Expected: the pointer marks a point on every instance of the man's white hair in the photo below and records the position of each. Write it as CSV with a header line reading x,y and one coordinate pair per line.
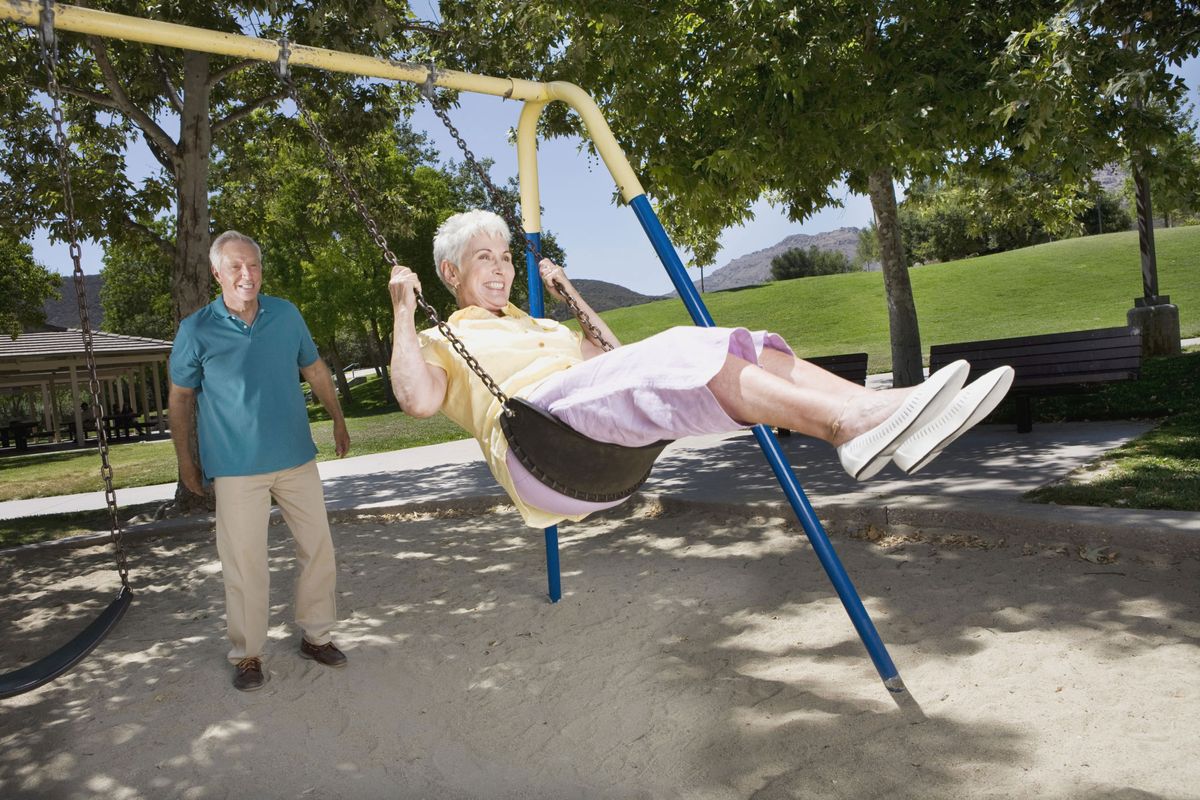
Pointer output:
x,y
453,236
218,245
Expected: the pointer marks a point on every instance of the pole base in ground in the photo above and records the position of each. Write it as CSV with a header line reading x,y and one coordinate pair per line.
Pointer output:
x,y
895,685
1158,320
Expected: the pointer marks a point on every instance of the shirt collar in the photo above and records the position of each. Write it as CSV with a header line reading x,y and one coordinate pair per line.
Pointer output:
x,y
220,310
475,312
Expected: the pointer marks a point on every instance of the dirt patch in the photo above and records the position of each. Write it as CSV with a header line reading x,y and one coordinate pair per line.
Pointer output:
x,y
695,654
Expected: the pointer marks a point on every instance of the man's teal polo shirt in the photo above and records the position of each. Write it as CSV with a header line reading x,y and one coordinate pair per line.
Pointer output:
x,y
251,415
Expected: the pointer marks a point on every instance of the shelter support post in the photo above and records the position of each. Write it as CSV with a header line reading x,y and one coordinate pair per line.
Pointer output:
x,y
75,405
158,409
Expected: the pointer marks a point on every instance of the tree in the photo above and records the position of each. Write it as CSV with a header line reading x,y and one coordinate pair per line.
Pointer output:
x,y
136,292
801,263
116,91
25,286
1093,84
721,106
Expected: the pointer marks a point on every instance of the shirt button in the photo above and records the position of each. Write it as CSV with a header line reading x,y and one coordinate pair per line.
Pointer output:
x,y
541,344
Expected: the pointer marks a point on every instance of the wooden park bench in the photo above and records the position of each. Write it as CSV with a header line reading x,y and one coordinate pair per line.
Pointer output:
x,y
1055,363
851,366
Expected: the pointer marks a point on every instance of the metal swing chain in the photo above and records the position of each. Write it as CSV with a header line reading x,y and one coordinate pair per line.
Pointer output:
x,y
339,169
49,53
584,319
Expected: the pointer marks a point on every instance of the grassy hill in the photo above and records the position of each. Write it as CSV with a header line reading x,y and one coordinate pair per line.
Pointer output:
x,y
1069,285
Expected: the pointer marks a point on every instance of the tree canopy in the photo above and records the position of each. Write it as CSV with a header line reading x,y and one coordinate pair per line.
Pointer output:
x,y
186,107
801,263
25,286
721,106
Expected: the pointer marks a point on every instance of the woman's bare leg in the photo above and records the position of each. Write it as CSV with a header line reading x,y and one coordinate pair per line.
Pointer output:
x,y
791,393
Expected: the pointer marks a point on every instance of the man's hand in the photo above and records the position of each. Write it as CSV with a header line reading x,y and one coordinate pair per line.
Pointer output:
x,y
190,475
341,438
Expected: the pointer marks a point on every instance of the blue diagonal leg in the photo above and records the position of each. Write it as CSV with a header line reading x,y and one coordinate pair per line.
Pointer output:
x,y
783,471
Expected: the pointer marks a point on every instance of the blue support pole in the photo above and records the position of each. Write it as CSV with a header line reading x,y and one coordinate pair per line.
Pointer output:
x,y
783,471
537,309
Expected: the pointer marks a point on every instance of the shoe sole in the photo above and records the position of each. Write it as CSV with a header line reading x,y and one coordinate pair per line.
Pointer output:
x,y
1002,382
253,688
953,375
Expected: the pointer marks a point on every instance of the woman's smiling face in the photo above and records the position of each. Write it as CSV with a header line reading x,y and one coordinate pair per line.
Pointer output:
x,y
485,275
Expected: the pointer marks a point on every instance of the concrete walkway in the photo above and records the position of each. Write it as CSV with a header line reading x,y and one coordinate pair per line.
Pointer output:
x,y
977,484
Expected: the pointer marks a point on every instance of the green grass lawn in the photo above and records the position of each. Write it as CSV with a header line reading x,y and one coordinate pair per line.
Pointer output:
x,y
1062,286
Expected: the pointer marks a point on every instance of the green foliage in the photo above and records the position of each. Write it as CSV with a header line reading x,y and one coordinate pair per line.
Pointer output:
x,y
801,263
867,251
963,215
1094,84
115,92
136,293
25,286
716,108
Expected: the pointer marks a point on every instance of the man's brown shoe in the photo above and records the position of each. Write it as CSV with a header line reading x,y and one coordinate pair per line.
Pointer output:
x,y
249,675
326,654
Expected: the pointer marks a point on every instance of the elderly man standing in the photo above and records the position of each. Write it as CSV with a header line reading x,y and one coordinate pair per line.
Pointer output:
x,y
234,370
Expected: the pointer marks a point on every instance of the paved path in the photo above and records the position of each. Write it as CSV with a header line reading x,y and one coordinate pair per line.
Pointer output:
x,y
977,483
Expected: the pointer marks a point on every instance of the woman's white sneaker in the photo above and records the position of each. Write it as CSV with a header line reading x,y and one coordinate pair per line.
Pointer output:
x,y
965,411
867,453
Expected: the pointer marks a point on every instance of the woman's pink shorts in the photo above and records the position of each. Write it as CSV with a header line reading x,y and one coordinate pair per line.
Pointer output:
x,y
641,393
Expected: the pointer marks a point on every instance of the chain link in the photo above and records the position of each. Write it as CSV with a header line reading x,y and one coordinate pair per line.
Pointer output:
x,y
49,54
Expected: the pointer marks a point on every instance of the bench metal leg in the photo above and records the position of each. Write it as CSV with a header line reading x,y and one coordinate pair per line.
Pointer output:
x,y
1024,413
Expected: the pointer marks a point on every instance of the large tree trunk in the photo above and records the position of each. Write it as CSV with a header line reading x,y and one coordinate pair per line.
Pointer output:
x,y
190,278
902,310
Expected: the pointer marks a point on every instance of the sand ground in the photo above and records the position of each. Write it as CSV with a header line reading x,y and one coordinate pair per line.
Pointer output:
x,y
698,652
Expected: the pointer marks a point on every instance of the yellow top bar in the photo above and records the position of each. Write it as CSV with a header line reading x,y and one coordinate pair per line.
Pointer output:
x,y
168,34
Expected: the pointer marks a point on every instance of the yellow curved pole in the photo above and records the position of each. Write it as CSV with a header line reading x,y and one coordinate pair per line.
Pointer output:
x,y
527,167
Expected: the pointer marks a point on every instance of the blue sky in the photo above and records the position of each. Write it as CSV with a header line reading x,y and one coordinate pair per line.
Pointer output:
x,y
602,241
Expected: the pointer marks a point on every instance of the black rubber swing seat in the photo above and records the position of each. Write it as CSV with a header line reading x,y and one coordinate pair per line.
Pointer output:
x,y
569,462
44,670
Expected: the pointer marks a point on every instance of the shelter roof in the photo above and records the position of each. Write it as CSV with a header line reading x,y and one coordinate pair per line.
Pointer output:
x,y
64,344
36,357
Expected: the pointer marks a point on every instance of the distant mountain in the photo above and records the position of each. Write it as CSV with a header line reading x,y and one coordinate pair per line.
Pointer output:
x,y
600,295
64,312
754,268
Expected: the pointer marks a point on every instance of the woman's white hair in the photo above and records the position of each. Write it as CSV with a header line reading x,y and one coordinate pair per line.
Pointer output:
x,y
453,236
215,254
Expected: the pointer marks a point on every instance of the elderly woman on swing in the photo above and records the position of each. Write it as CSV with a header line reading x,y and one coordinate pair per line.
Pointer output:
x,y
682,382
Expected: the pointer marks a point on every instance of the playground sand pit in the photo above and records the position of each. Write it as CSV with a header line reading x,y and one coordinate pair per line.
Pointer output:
x,y
697,653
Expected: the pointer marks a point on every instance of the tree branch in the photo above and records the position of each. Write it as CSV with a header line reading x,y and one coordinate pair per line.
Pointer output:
x,y
221,75
246,110
168,87
163,244
126,106
102,100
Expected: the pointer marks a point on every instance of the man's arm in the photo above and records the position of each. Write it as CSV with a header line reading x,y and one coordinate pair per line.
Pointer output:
x,y
319,378
181,411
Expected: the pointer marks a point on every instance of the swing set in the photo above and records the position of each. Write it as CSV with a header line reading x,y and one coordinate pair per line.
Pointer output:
x,y
551,451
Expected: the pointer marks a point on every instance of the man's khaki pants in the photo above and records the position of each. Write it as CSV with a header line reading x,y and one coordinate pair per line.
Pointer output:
x,y
243,512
